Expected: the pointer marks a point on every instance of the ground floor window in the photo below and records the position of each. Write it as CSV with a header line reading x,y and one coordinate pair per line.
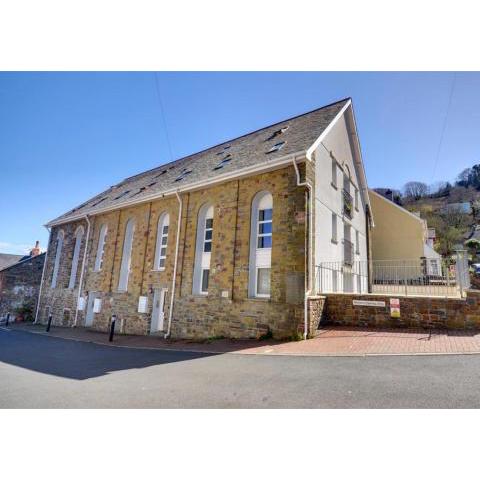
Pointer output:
x,y
263,282
205,278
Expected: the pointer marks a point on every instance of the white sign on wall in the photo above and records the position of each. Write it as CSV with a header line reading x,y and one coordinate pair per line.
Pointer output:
x,y
142,304
81,304
97,305
368,303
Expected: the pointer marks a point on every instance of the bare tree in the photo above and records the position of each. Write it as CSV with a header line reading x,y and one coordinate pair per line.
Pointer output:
x,y
415,190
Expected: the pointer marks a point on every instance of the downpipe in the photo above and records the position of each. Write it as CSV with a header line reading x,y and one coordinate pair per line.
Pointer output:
x,y
308,275
172,296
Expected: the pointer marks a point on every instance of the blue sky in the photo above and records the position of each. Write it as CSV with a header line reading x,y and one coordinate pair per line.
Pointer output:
x,y
66,136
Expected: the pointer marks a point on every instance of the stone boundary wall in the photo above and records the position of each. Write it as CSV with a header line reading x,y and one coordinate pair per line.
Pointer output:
x,y
419,312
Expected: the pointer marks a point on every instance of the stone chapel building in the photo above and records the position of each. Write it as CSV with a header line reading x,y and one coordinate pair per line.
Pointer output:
x,y
223,242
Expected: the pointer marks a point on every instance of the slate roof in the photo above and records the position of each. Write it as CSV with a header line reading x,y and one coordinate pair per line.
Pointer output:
x,y
7,259
249,150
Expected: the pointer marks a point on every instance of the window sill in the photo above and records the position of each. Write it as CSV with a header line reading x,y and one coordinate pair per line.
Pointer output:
x,y
158,269
333,185
334,241
259,299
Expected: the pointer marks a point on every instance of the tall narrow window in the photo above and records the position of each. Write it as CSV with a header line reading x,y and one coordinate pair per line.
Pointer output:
x,y
162,241
126,256
101,247
334,173
334,228
58,254
201,274
357,242
356,199
76,256
261,246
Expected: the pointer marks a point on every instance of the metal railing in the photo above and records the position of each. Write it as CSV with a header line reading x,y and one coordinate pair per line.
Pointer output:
x,y
436,277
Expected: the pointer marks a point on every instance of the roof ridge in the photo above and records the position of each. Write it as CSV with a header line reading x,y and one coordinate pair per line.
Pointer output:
x,y
163,165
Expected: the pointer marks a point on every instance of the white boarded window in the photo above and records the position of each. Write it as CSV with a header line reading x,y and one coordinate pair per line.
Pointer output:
x,y
76,256
162,242
334,173
58,254
126,256
203,249
260,246
101,247
334,228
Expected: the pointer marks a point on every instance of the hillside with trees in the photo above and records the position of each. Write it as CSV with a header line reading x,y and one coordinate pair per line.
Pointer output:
x,y
452,208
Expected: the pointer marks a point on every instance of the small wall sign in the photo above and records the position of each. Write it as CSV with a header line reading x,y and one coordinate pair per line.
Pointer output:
x,y
97,305
368,303
395,308
81,304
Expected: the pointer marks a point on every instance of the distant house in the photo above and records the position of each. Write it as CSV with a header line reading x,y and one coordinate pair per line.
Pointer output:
x,y
19,284
400,235
6,259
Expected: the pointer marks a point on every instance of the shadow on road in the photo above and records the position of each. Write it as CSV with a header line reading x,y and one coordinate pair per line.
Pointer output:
x,y
79,360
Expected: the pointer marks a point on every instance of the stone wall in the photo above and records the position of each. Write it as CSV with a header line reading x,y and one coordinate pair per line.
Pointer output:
x,y
422,312
227,310
19,287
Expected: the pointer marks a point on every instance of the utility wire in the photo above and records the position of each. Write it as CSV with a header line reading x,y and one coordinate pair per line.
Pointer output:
x,y
444,125
157,84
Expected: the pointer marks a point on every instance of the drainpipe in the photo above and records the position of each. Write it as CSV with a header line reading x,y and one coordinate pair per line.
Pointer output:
x,y
308,276
43,275
83,269
172,296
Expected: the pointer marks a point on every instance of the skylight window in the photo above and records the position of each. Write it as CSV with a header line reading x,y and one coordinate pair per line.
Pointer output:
x,y
163,172
126,192
184,173
98,202
140,190
222,152
223,162
277,133
278,146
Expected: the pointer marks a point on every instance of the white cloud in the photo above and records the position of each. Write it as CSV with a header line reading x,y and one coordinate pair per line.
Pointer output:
x,y
15,248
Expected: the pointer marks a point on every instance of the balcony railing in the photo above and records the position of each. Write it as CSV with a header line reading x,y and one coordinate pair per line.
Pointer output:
x,y
348,255
347,204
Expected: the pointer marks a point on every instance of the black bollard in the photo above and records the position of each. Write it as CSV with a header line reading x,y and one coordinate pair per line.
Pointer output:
x,y
49,322
7,320
112,328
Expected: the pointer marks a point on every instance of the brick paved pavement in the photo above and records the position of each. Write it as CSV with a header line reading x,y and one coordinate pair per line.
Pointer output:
x,y
329,341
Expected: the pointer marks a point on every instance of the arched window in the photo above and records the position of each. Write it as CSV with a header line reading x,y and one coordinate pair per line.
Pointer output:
x,y
201,273
76,255
162,241
126,256
101,247
58,254
260,245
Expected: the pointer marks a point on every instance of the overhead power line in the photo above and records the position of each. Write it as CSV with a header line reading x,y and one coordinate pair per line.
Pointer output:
x,y
444,124
159,95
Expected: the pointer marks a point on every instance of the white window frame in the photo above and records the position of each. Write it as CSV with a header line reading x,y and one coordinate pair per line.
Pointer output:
x,y
334,228
334,174
202,257
162,242
76,256
126,256
260,258
101,247
58,254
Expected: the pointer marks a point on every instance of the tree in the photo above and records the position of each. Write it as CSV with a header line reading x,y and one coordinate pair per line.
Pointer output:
x,y
415,190
439,189
463,178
